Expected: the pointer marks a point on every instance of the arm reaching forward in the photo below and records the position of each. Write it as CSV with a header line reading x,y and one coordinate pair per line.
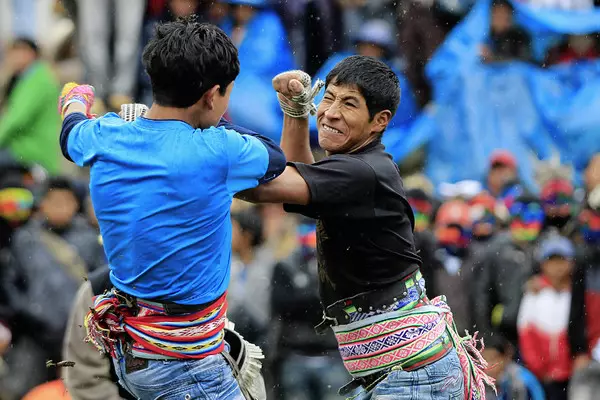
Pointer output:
x,y
295,97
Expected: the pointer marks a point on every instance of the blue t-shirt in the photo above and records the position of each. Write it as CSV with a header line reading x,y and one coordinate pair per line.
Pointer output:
x,y
162,192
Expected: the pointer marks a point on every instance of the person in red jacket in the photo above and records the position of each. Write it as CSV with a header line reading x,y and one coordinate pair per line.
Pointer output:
x,y
544,318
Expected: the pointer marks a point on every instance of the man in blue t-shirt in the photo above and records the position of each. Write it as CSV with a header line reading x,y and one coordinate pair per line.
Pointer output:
x,y
162,188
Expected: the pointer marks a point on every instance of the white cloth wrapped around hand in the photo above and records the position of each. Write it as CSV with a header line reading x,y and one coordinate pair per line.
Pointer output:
x,y
296,93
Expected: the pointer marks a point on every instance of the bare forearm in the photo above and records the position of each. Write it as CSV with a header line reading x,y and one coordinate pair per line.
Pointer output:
x,y
295,140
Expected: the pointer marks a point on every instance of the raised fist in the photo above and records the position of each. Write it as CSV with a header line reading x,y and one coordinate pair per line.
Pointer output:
x,y
73,92
295,93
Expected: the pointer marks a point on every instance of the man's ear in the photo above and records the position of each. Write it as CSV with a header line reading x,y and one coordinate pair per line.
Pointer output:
x,y
381,121
208,98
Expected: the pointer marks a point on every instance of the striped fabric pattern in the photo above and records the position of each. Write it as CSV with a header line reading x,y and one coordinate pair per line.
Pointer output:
x,y
410,338
154,334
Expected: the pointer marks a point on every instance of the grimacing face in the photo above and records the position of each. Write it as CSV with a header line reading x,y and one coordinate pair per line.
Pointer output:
x,y
343,120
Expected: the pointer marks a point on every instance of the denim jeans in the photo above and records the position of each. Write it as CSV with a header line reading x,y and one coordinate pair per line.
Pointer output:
x,y
210,378
312,378
441,380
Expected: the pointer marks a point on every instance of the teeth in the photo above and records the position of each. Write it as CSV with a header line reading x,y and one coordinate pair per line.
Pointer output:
x,y
331,129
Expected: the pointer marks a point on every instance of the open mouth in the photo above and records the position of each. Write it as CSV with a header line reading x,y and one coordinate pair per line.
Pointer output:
x,y
331,129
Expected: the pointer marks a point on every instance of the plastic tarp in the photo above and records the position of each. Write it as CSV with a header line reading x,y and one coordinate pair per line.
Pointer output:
x,y
525,109
264,52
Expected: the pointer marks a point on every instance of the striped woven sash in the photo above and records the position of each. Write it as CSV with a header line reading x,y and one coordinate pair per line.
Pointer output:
x,y
409,339
152,333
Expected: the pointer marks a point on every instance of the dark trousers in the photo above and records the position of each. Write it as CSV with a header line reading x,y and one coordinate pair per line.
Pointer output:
x,y
556,390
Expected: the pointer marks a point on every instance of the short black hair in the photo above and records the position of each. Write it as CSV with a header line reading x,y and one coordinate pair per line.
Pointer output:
x,y
60,183
503,3
23,41
378,84
498,342
186,58
251,221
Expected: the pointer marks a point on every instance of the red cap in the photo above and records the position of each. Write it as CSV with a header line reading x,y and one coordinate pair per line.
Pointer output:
x,y
503,157
555,186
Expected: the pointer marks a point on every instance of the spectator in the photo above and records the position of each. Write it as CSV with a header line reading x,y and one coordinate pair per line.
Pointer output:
x,y
585,385
93,376
251,271
15,208
47,253
584,327
484,218
558,201
421,32
59,209
315,29
505,268
307,366
425,242
113,79
264,51
506,41
513,381
29,122
575,48
592,174
453,234
544,317
502,173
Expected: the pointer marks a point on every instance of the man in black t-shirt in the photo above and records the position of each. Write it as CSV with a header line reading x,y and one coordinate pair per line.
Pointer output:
x,y
371,288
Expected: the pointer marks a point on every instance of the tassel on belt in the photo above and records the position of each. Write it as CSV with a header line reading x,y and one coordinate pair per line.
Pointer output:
x,y
152,332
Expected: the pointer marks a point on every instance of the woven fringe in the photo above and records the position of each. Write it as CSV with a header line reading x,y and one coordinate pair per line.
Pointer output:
x,y
250,372
470,355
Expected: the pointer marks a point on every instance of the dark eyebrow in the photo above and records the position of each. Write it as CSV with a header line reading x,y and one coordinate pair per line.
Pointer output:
x,y
351,97
344,98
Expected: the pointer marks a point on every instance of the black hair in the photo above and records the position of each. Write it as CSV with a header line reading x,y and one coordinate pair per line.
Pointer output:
x,y
251,222
528,198
502,3
60,183
377,83
23,41
186,58
499,343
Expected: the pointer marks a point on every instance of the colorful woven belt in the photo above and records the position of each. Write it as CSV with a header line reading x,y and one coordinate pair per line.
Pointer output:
x,y
408,338
151,332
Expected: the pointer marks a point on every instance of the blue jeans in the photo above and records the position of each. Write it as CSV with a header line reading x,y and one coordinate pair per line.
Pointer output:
x,y
210,378
441,380
312,378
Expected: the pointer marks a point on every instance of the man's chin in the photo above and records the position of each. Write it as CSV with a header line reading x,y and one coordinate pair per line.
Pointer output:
x,y
329,146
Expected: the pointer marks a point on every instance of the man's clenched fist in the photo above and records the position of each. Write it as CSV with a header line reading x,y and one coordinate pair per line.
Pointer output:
x,y
295,93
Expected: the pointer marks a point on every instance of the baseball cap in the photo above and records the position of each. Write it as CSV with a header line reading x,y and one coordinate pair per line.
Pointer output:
x,y
503,157
378,32
556,246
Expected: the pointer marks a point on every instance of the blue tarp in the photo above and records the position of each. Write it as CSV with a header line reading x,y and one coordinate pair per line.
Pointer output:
x,y
520,107
405,115
264,52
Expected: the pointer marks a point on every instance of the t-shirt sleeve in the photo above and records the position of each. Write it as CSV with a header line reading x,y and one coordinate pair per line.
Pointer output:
x,y
80,137
333,181
252,161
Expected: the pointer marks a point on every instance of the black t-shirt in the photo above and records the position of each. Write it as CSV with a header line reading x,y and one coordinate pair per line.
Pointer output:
x,y
364,222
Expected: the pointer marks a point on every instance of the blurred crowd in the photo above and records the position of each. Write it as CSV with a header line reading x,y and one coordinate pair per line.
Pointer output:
x,y
521,268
